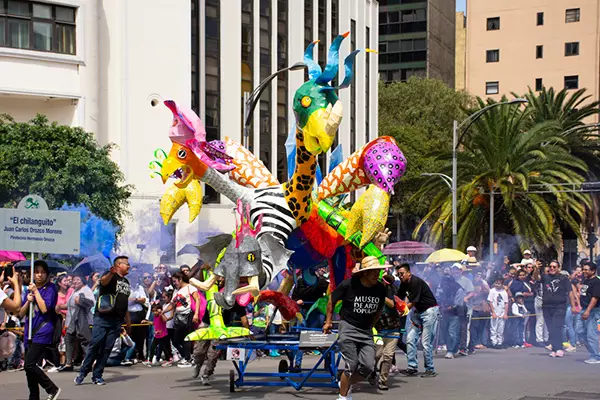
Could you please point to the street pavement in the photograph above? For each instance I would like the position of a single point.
(512, 374)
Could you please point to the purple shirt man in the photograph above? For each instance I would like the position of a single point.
(46, 332)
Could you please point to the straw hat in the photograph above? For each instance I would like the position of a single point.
(369, 263)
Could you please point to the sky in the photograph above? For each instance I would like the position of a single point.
(461, 5)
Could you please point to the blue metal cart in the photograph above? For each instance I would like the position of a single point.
(324, 373)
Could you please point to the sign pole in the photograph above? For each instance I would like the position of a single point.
(31, 279)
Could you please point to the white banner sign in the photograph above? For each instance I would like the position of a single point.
(32, 231)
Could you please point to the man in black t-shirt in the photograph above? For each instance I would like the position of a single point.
(111, 312)
(587, 320)
(363, 298)
(424, 320)
(556, 292)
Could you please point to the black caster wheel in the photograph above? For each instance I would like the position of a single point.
(283, 367)
(231, 381)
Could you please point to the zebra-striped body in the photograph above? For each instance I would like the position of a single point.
(269, 202)
(277, 220)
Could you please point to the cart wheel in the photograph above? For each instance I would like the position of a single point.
(283, 366)
(231, 381)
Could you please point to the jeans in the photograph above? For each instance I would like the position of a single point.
(422, 324)
(160, 345)
(519, 329)
(587, 330)
(126, 353)
(104, 334)
(36, 376)
(451, 329)
(555, 321)
(477, 328)
(569, 329)
(464, 317)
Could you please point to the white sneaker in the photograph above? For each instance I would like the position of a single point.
(204, 380)
(53, 370)
(571, 349)
(449, 356)
(184, 364)
(592, 361)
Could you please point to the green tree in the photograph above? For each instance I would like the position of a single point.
(419, 115)
(63, 165)
(572, 112)
(508, 153)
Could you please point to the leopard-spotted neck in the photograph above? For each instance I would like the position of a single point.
(298, 190)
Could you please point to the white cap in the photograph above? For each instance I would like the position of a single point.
(471, 248)
(527, 252)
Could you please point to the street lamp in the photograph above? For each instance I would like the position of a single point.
(251, 99)
(455, 142)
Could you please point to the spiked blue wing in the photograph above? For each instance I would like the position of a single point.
(314, 70)
(348, 68)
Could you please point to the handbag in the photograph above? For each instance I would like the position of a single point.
(106, 303)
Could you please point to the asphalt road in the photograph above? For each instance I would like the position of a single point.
(515, 374)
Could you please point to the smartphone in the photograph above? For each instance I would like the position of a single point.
(8, 271)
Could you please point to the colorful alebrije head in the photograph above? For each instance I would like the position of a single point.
(384, 163)
(244, 228)
(188, 130)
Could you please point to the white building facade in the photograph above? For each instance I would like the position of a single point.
(107, 65)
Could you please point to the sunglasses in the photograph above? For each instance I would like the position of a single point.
(553, 267)
(147, 277)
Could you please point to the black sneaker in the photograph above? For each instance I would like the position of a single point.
(373, 379)
(429, 374)
(64, 368)
(409, 372)
(462, 353)
(54, 396)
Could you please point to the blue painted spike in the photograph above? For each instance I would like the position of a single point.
(314, 70)
(319, 173)
(336, 158)
(290, 149)
(333, 60)
(348, 66)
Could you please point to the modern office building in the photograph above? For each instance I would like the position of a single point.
(107, 65)
(416, 38)
(513, 45)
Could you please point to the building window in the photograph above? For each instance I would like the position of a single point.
(353, 98)
(322, 47)
(282, 88)
(492, 88)
(247, 63)
(37, 26)
(540, 18)
(308, 28)
(195, 5)
(571, 49)
(493, 24)
(572, 15)
(572, 82)
(367, 86)
(212, 79)
(539, 85)
(265, 70)
(492, 56)
(539, 51)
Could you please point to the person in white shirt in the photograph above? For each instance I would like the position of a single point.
(138, 304)
(5, 302)
(498, 299)
(527, 259)
(519, 310)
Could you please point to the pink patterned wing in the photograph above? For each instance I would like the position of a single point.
(249, 171)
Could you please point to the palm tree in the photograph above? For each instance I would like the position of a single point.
(508, 154)
(571, 112)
